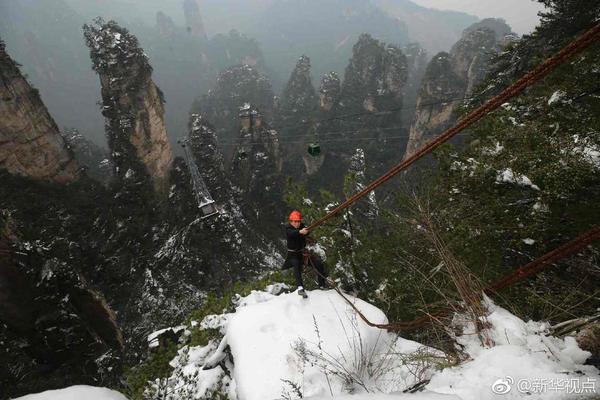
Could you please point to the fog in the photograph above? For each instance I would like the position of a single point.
(45, 37)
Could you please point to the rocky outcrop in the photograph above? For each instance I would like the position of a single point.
(256, 166)
(193, 18)
(298, 101)
(433, 114)
(356, 181)
(132, 104)
(295, 112)
(234, 87)
(30, 141)
(416, 58)
(209, 158)
(451, 77)
(164, 23)
(93, 159)
(54, 323)
(329, 91)
(366, 112)
(375, 76)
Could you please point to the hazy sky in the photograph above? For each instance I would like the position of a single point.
(521, 15)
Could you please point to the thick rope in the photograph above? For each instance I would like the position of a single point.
(531, 77)
(573, 246)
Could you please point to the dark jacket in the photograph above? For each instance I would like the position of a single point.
(295, 240)
(295, 244)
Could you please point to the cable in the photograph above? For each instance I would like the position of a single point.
(513, 90)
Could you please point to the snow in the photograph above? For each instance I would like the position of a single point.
(508, 176)
(76, 393)
(556, 96)
(523, 355)
(153, 337)
(273, 330)
(270, 330)
(283, 346)
(589, 151)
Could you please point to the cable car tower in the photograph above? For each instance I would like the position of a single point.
(206, 204)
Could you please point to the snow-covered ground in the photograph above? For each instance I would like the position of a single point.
(285, 347)
(80, 392)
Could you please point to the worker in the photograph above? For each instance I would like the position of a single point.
(297, 235)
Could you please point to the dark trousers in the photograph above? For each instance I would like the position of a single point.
(296, 261)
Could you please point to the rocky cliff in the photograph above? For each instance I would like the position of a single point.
(451, 78)
(193, 18)
(234, 87)
(366, 112)
(298, 101)
(132, 104)
(30, 141)
(294, 116)
(93, 159)
(374, 77)
(256, 167)
(329, 91)
(165, 25)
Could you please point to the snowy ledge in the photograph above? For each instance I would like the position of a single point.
(285, 347)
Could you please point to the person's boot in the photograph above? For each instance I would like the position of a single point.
(301, 292)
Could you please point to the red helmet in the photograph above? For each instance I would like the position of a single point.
(295, 216)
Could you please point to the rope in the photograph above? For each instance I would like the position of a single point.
(573, 246)
(533, 267)
(579, 243)
(531, 77)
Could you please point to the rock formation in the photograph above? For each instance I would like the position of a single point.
(234, 87)
(298, 101)
(164, 23)
(295, 112)
(256, 166)
(193, 18)
(30, 141)
(375, 76)
(208, 156)
(367, 111)
(356, 181)
(93, 159)
(329, 91)
(451, 77)
(132, 104)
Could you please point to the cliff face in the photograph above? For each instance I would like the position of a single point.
(299, 99)
(294, 115)
(256, 166)
(329, 91)
(208, 156)
(93, 159)
(132, 104)
(165, 25)
(193, 18)
(234, 87)
(30, 141)
(451, 77)
(374, 77)
(364, 112)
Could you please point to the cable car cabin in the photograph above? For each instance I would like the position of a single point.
(208, 209)
(314, 149)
